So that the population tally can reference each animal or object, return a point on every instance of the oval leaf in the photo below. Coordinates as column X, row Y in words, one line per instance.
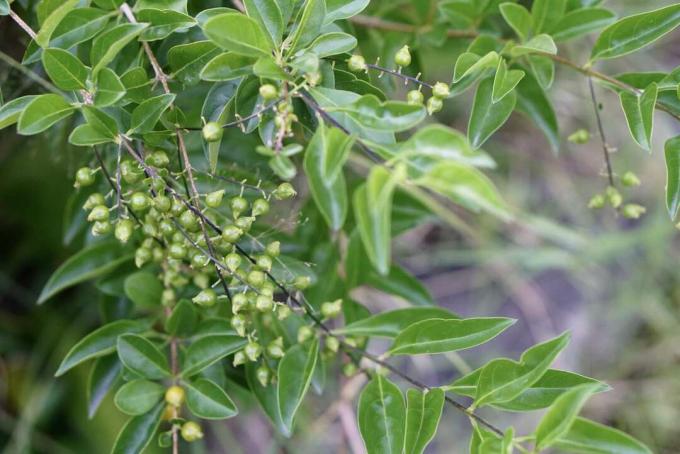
column 238, row 33
column 390, row 323
column 382, row 417
column 138, row 432
column 423, row 412
column 209, row 349
column 142, row 357
column 138, row 396
column 207, row 400
column 295, row 375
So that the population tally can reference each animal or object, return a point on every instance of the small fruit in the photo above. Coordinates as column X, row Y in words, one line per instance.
column 256, row 278
column 284, row 191
column 238, row 322
column 597, row 201
column 262, row 374
column 162, row 203
column 189, row 221
column 205, row 298
column 139, row 201
column 264, row 303
column 304, row 334
column 332, row 344
column 239, row 358
column 239, row 302
column 84, row 177
column 231, row 234
column 99, row 213
column 441, row 90
column 579, row 137
column 264, row 262
column 275, row 348
column 302, row 282
column 142, row 256
column 273, row 249
column 101, row 228
column 212, row 132
column 260, row 207
column 238, row 205
column 252, row 350
column 214, row 199
column 415, row 97
column 177, row 251
column 93, row 200
column 633, row 211
column 124, row 229
column 614, row 197
column 403, row 57
column 191, row 431
column 630, row 179
column 332, row 309
column 434, row 105
column 174, row 396
column 130, row 172
column 158, row 159
column 282, row 311
column 268, row 92
column 356, row 63
column 233, row 261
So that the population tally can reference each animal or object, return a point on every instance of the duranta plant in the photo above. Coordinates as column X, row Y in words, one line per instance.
column 245, row 167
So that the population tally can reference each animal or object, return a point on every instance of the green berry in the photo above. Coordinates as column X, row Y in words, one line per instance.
column 124, row 229
column 177, row 251
column 256, row 278
column 331, row 309
column 273, row 249
column 403, row 57
column 415, row 97
column 264, row 262
column 130, row 172
column 199, row 261
column 168, row 297
column 630, row 179
column 244, row 223
column 275, row 348
column 189, row 221
column 162, row 203
column 238, row 205
column 214, row 199
column 284, row 191
column 434, row 105
column 212, row 132
column 332, row 344
column 282, row 311
column 633, row 211
column 177, row 207
column 238, row 322
column 239, row 358
column 264, row 303
column 93, row 200
column 231, row 233
column 260, row 207
column 84, row 177
column 441, row 90
column 99, row 213
column 101, row 228
column 597, row 201
column 268, row 92
column 174, row 396
column 349, row 369
column 142, row 256
column 233, row 261
column 158, row 159
column 302, row 282
column 579, row 137
column 252, row 350
column 304, row 334
column 191, row 431
column 262, row 374
column 201, row 280
column 356, row 63
column 614, row 197
column 239, row 302
column 206, row 298
column 139, row 201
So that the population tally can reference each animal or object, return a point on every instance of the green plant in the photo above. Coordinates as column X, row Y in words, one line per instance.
column 215, row 303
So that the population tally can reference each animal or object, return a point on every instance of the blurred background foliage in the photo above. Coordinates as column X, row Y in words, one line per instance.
column 614, row 283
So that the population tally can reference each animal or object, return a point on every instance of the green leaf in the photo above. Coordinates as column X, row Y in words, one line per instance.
column 324, row 159
column 188, row 60
column 504, row 81
column 635, row 32
column 343, row 9
column 227, row 66
column 109, row 88
column 268, row 14
column 207, row 400
column 392, row 116
column 142, row 357
column 12, row 110
column 138, row 432
column 134, row 83
column 144, row 289
column 50, row 23
column 294, row 376
column 546, row 13
column 486, row 116
column 99, row 342
column 672, row 152
column 540, row 43
column 103, row 376
column 208, row 350
column 390, row 323
column 372, row 210
column 466, row 186
column 333, row 43
column 581, row 22
column 146, row 115
column 267, row 398
column 89, row 263
column 87, row 136
column 163, row 22
column 238, row 33
column 639, row 111
column 543, row 69
column 534, row 103
column 518, row 18
column 470, row 65
column 4, row 7
column 448, row 335
column 502, row 380
column 138, row 396
column 65, row 70
column 183, row 319
column 307, row 24
column 106, row 46
column 560, row 416
column 100, row 121
column 424, row 409
column 382, row 417
column 590, row 437
column 42, row 112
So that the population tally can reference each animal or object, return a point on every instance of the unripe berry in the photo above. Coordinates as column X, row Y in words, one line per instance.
column 633, row 211
column 139, row 201
column 239, row 302
column 84, row 177
column 212, row 132
column 167, row 228
column 177, row 251
column 331, row 309
column 191, row 431
column 93, row 200
column 177, row 207
column 349, row 369
column 282, row 311
column 434, row 105
column 630, row 179
column 313, row 79
column 273, row 249
column 158, row 159
column 99, row 213
column 268, row 92
column 174, row 396
column 206, row 298
column 233, row 261
column 403, row 57
column 260, row 207
column 304, row 334
column 244, row 223
column 332, row 344
column 124, row 229
column 415, row 97
column 130, row 172
column 597, row 201
column 214, row 199
column 441, row 90
column 275, row 348
column 614, row 197
column 262, row 374
column 264, row 262
column 579, row 137
column 264, row 303
column 101, row 228
column 239, row 358
column 238, row 205
column 199, row 261
column 302, row 282
column 201, row 280
column 238, row 322
column 252, row 350
column 189, row 221
column 168, row 297
column 256, row 278
column 284, row 191
column 356, row 63
column 231, row 234
column 142, row 256
column 162, row 203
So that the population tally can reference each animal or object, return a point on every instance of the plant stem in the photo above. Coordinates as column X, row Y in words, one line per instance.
column 20, row 22
column 600, row 128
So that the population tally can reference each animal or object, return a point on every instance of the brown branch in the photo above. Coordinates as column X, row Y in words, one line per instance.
column 600, row 129
column 20, row 22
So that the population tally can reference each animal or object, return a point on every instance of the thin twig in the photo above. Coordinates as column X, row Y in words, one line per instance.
column 405, row 77
column 20, row 22
column 600, row 128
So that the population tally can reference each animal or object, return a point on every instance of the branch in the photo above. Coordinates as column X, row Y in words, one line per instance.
column 406, row 78
column 600, row 128
column 20, row 22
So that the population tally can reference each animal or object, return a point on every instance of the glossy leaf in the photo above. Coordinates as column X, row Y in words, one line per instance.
column 423, row 411
column 188, row 60
column 227, row 66
column 163, row 22
column 138, row 396
column 99, row 342
column 635, row 32
column 89, row 263
column 267, row 398
column 590, row 437
column 639, row 111
column 442, row 335
column 581, row 22
column 307, row 24
column 470, row 65
column 538, row 44
column 390, row 323
column 146, row 115
column 138, row 432
column 534, row 103
column 42, row 112
column 65, row 70
column 343, row 9
column 382, row 417
column 392, row 116
column 238, row 33
column 106, row 46
column 144, row 289
column 182, row 320
column 268, row 14
column 103, row 376
column 672, row 153
column 207, row 400
column 486, row 116
column 518, row 18
column 12, row 110
column 208, row 350
column 294, row 377
column 142, row 357
column 50, row 23
column 109, row 90
column 324, row 160
column 561, row 415
column 504, row 81
column 333, row 43
column 546, row 13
